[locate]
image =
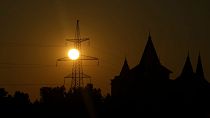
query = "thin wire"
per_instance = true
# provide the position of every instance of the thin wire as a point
(28, 45)
(30, 84)
(16, 65)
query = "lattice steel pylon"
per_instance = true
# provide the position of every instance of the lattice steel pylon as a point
(77, 74)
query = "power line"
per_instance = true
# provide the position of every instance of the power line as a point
(32, 84)
(15, 44)
(18, 65)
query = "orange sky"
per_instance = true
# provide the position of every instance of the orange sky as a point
(33, 32)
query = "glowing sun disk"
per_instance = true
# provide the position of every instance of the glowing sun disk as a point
(73, 54)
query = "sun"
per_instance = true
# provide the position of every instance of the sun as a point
(73, 54)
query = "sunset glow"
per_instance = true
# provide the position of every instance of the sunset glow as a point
(73, 54)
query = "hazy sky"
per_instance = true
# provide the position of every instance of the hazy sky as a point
(33, 33)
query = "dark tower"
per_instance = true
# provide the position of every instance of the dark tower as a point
(77, 75)
(150, 66)
(199, 68)
(119, 81)
(149, 57)
(187, 69)
(200, 74)
(125, 68)
(149, 70)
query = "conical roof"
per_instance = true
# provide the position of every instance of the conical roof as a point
(149, 57)
(125, 68)
(199, 68)
(187, 69)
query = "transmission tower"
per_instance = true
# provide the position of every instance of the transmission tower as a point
(77, 74)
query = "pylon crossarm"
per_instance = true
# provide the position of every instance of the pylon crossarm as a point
(84, 57)
(77, 40)
(81, 58)
(64, 59)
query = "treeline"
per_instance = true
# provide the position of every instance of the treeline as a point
(86, 102)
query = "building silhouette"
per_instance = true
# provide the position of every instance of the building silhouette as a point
(149, 71)
(147, 88)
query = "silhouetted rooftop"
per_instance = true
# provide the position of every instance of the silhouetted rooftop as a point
(187, 69)
(199, 69)
(149, 57)
(125, 68)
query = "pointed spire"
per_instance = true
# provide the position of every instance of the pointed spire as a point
(149, 37)
(149, 56)
(187, 70)
(199, 68)
(125, 67)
